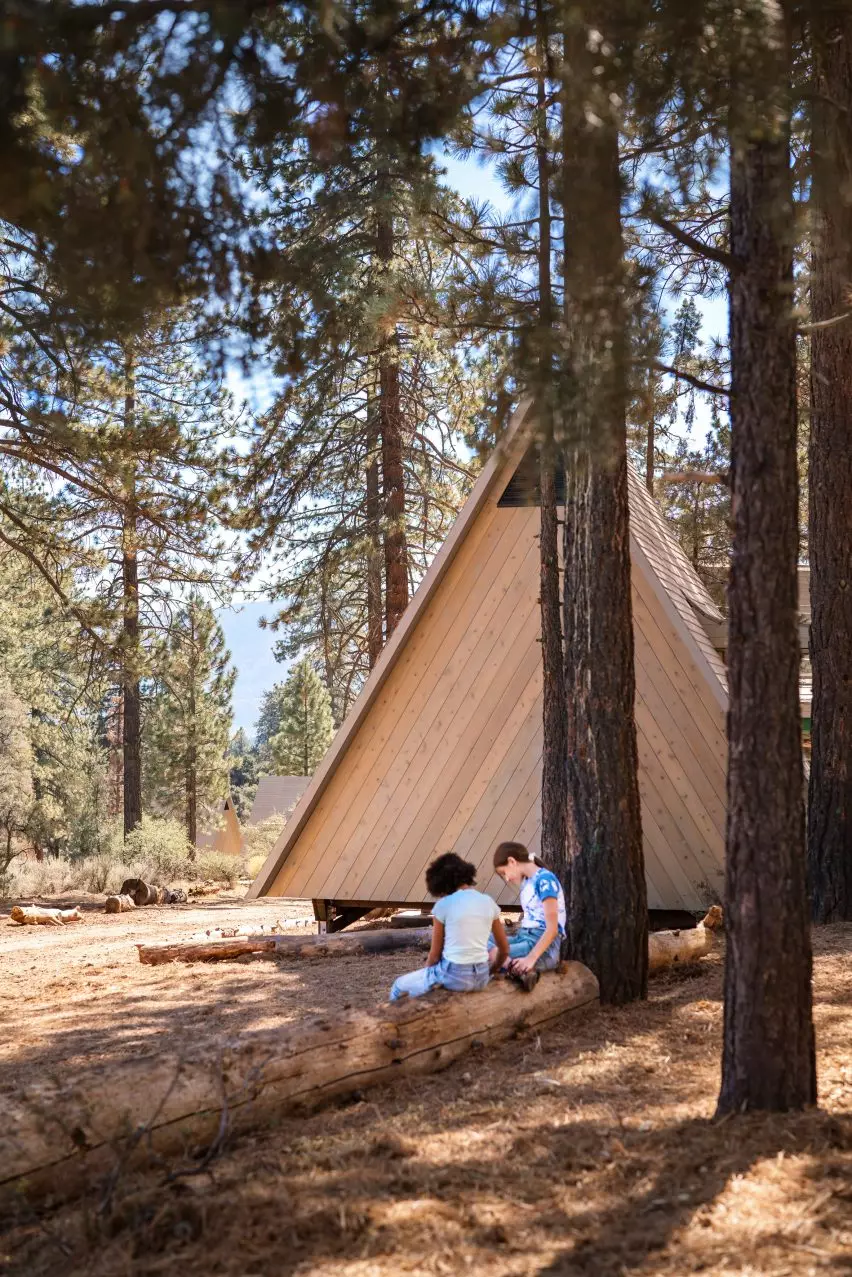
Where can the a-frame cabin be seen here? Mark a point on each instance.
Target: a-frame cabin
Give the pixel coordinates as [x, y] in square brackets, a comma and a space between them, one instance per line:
[442, 750]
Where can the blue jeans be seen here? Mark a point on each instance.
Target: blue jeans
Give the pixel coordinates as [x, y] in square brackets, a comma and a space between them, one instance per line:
[524, 941]
[460, 977]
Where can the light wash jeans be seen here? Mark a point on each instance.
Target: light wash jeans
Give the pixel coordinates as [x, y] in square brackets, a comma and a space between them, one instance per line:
[524, 941]
[460, 977]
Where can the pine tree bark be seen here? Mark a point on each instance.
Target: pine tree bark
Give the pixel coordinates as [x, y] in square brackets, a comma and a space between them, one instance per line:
[608, 914]
[830, 471]
[554, 781]
[131, 719]
[374, 547]
[393, 473]
[768, 1054]
[191, 760]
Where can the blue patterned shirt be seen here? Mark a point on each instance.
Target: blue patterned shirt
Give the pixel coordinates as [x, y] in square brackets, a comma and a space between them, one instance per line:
[543, 885]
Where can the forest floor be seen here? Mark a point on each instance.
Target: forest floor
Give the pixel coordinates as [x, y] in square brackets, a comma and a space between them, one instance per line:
[588, 1149]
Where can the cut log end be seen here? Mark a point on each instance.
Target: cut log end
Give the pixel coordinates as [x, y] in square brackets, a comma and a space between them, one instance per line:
[119, 904]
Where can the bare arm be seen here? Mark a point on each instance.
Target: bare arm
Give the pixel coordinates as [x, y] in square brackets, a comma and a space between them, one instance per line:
[551, 931]
[437, 946]
[499, 955]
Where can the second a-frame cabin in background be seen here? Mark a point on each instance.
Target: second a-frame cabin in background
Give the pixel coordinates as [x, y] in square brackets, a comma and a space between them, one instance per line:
[442, 750]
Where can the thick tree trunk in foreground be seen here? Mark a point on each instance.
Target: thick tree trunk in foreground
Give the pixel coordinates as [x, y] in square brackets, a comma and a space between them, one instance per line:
[608, 911]
[57, 1135]
[830, 527]
[393, 473]
[131, 718]
[375, 629]
[768, 1056]
[554, 782]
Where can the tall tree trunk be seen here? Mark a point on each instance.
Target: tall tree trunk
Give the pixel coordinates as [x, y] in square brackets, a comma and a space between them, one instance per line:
[830, 470]
[374, 546]
[393, 474]
[608, 914]
[768, 1055]
[191, 776]
[554, 782]
[130, 654]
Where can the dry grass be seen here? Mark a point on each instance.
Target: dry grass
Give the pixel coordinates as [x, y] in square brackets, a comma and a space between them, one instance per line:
[588, 1150]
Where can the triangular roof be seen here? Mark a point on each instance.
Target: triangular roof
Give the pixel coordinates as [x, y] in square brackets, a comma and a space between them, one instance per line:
[276, 794]
[442, 749]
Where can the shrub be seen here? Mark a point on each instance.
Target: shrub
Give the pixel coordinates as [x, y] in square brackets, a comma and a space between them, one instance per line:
[38, 878]
[258, 840]
[218, 867]
[253, 866]
[158, 849]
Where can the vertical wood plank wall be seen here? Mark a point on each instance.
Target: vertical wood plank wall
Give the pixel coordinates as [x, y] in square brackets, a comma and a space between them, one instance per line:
[448, 757]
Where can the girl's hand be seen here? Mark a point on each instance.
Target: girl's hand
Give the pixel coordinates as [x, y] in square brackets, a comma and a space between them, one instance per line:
[524, 964]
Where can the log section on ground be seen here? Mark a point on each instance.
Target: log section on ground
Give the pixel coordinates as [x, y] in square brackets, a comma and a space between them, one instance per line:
[57, 1134]
[665, 948]
[677, 948]
[119, 904]
[284, 946]
[35, 914]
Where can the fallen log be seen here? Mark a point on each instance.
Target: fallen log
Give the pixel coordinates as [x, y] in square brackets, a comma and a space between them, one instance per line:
[35, 915]
[665, 948]
[277, 946]
[677, 948]
[60, 1133]
[119, 904]
[146, 893]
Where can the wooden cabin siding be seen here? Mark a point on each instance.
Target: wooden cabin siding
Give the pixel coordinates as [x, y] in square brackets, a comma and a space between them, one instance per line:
[448, 755]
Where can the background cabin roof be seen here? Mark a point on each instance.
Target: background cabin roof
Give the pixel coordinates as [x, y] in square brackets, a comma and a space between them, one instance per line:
[276, 794]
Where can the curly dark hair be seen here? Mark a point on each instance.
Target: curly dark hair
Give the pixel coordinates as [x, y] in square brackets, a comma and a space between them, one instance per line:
[449, 872]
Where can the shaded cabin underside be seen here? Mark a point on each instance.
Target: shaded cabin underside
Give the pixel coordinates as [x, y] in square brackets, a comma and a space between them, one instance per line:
[447, 756]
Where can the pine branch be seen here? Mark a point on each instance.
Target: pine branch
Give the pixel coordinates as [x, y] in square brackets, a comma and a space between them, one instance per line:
[692, 242]
[707, 386]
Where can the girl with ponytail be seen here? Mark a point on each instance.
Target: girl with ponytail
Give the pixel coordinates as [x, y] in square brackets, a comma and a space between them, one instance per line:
[537, 944]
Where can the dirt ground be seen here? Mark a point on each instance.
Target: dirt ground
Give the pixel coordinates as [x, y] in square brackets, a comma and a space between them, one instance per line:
[589, 1149]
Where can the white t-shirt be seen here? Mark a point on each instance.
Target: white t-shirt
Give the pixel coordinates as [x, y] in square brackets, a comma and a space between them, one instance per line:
[467, 916]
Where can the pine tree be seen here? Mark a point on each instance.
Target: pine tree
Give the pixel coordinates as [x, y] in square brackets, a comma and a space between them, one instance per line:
[16, 774]
[830, 465]
[187, 735]
[354, 471]
[608, 917]
[243, 774]
[306, 728]
[768, 1058]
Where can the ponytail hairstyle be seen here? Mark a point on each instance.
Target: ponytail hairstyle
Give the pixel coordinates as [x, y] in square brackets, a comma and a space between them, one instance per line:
[514, 851]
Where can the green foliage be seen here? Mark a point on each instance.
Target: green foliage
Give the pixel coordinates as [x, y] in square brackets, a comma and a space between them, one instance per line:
[186, 764]
[259, 839]
[16, 773]
[243, 776]
[307, 727]
[215, 866]
[161, 846]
